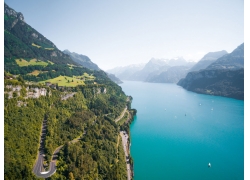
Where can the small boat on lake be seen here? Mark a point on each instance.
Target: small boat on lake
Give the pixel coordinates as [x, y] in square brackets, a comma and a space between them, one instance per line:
[209, 165]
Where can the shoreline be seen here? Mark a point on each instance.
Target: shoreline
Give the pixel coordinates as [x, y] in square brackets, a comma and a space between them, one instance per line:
[126, 149]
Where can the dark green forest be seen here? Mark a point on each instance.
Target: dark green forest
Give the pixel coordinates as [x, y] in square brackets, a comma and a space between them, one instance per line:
[96, 154]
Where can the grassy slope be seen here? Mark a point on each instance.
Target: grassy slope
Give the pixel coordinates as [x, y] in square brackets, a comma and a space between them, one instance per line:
[65, 81]
[22, 62]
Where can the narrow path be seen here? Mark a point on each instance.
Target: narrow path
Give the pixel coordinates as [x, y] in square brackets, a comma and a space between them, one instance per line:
[122, 114]
[124, 136]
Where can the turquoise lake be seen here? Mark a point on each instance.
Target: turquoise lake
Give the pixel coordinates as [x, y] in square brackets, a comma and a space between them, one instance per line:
[176, 133]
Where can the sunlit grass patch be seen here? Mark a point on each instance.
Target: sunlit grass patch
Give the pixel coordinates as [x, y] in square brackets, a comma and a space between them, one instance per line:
[71, 66]
[36, 72]
[22, 62]
[49, 48]
[35, 45]
[86, 77]
[51, 62]
[89, 77]
[65, 81]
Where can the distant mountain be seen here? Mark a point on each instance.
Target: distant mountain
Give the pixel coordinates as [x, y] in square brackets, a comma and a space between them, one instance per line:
[155, 70]
[82, 60]
[126, 72]
[224, 77]
[178, 61]
[114, 78]
[208, 59]
[172, 75]
[152, 68]
[234, 60]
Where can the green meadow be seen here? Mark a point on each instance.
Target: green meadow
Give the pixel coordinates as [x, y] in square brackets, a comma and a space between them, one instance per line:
[36, 72]
[22, 62]
[65, 81]
[33, 44]
[49, 48]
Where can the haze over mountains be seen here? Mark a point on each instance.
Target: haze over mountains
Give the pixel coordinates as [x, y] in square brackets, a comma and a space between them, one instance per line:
[152, 71]
[208, 59]
[217, 73]
[223, 77]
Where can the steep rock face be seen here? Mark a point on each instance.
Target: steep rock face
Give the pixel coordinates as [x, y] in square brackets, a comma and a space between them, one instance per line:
[23, 41]
[11, 12]
[82, 60]
[228, 83]
[208, 59]
[31, 92]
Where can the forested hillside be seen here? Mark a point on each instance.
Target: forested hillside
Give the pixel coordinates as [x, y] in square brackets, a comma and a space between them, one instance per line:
[31, 55]
[82, 115]
[79, 104]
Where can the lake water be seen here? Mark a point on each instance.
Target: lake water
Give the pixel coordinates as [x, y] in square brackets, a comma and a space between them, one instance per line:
[176, 133]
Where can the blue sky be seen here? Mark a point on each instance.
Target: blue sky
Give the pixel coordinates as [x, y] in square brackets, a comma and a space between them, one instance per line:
[118, 33]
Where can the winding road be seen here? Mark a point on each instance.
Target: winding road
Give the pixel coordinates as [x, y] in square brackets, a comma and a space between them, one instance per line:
[38, 169]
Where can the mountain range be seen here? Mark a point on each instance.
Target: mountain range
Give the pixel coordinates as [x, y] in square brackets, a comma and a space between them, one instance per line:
[217, 73]
[155, 70]
[208, 59]
[223, 77]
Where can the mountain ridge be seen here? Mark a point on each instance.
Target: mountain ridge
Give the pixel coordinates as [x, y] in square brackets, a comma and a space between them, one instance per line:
[82, 60]
[154, 69]
[208, 59]
[224, 77]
